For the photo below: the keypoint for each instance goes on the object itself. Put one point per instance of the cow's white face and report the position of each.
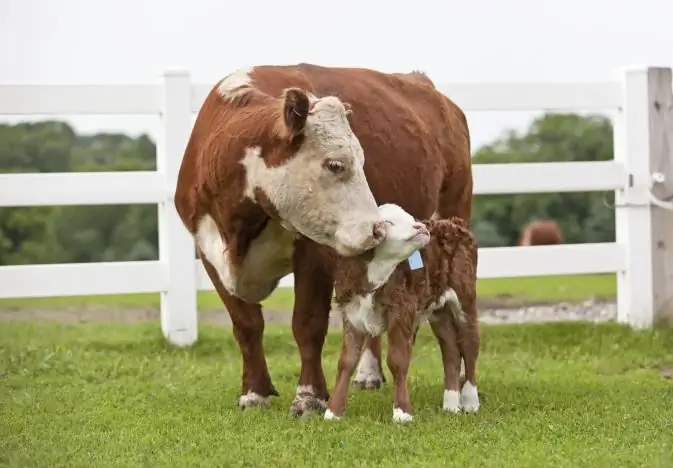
(319, 191)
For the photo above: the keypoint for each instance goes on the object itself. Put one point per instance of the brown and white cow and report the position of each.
(286, 165)
(540, 232)
(378, 291)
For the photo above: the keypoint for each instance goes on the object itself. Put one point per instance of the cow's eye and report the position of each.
(335, 166)
(388, 223)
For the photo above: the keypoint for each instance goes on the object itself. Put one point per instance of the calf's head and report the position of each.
(311, 175)
(404, 234)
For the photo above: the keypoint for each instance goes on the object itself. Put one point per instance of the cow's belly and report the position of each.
(269, 258)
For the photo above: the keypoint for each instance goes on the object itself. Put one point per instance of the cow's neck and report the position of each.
(250, 251)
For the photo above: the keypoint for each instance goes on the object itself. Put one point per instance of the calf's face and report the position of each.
(404, 234)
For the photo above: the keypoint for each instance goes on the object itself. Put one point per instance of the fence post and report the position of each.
(179, 321)
(643, 137)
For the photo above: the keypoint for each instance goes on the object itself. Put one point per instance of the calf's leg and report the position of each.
(444, 331)
(310, 319)
(248, 326)
(469, 342)
(351, 346)
(370, 373)
(398, 360)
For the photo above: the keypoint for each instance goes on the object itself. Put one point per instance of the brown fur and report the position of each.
(417, 148)
(450, 262)
(541, 232)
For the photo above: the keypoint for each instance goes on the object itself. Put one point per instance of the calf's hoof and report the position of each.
(400, 416)
(331, 416)
(451, 403)
(469, 398)
(252, 400)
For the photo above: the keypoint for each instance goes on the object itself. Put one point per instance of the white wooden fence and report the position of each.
(640, 99)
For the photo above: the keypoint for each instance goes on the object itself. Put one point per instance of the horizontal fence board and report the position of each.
(546, 260)
(80, 99)
(137, 187)
(78, 279)
(510, 262)
(548, 177)
(509, 96)
(534, 96)
(82, 188)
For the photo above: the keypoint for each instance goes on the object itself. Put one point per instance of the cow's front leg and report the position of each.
(369, 373)
(248, 326)
(310, 320)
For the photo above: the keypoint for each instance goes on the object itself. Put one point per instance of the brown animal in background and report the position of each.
(378, 291)
(541, 232)
(279, 172)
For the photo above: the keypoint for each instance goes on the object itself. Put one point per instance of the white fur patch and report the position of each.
(451, 401)
(236, 83)
(401, 417)
(251, 399)
(213, 248)
(469, 398)
(269, 258)
(368, 369)
(331, 416)
(362, 314)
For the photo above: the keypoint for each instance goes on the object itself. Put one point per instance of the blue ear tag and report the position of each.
(415, 260)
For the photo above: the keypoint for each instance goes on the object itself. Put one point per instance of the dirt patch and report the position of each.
(489, 312)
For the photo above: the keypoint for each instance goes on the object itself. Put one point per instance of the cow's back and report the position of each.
(416, 140)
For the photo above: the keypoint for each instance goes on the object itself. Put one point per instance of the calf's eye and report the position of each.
(335, 166)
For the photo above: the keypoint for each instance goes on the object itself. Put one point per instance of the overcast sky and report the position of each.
(133, 41)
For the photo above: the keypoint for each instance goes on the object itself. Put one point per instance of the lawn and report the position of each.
(569, 394)
(506, 291)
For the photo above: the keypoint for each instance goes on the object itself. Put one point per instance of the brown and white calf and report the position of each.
(379, 291)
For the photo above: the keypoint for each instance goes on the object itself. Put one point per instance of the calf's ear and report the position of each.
(295, 110)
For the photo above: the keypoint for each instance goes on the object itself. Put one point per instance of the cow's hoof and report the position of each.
(252, 400)
(306, 403)
(368, 375)
(367, 384)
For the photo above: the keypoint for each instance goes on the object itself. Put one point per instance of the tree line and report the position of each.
(67, 234)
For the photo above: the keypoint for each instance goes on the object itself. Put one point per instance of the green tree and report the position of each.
(583, 217)
(74, 233)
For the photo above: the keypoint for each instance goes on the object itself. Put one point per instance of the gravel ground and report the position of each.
(491, 313)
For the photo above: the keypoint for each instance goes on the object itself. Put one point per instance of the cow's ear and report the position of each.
(295, 110)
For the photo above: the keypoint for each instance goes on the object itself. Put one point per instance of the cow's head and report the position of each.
(310, 174)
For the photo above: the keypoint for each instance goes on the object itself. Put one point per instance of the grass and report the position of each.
(561, 395)
(511, 291)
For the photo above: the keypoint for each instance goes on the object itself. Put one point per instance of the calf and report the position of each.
(378, 291)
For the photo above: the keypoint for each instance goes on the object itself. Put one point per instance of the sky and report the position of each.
(134, 41)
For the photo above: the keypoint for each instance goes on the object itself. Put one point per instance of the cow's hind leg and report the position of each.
(248, 325)
(370, 372)
(310, 319)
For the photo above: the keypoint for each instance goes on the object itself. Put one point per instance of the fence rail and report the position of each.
(641, 99)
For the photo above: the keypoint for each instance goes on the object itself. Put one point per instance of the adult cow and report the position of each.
(274, 180)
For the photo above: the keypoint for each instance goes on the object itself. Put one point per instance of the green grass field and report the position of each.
(560, 395)
(506, 290)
